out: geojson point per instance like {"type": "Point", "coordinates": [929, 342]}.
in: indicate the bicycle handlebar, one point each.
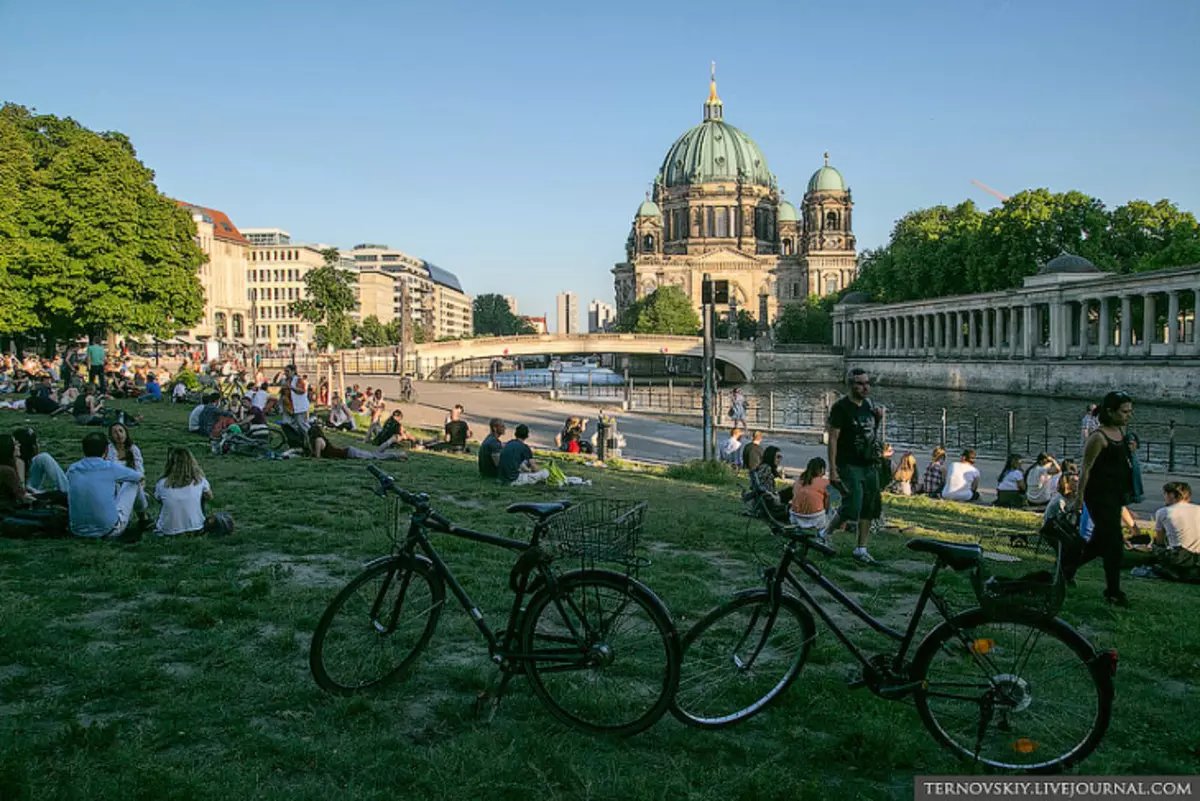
{"type": "Point", "coordinates": [419, 501]}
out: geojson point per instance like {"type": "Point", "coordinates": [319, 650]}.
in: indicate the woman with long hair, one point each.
{"type": "Point", "coordinates": [321, 448]}
{"type": "Point", "coordinates": [183, 491]}
{"type": "Point", "coordinates": [810, 497]}
{"type": "Point", "coordinates": [935, 475]}
{"type": "Point", "coordinates": [762, 480]}
{"type": "Point", "coordinates": [122, 450]}
{"type": "Point", "coordinates": [42, 473]}
{"type": "Point", "coordinates": [1010, 487]}
{"type": "Point", "coordinates": [905, 475]}
{"type": "Point", "coordinates": [1105, 487]}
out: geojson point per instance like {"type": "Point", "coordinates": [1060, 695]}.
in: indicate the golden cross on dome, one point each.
{"type": "Point", "coordinates": [826, 158]}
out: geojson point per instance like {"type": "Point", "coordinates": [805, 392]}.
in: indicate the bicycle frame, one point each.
{"type": "Point", "coordinates": [777, 576]}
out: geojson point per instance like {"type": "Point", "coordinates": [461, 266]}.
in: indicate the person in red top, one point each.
{"type": "Point", "coordinates": [810, 497]}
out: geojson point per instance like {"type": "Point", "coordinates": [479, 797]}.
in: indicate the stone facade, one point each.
{"type": "Point", "coordinates": [276, 281]}
{"type": "Point", "coordinates": [223, 278]}
{"type": "Point", "coordinates": [715, 208]}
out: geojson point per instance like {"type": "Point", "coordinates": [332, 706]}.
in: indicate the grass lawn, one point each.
{"type": "Point", "coordinates": [177, 668]}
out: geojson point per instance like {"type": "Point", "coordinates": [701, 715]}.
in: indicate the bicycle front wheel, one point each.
{"type": "Point", "coordinates": [601, 652]}
{"type": "Point", "coordinates": [276, 441]}
{"type": "Point", "coordinates": [1016, 691]}
{"type": "Point", "coordinates": [740, 657]}
{"type": "Point", "coordinates": [377, 625]}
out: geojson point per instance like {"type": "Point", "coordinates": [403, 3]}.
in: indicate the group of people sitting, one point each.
{"type": "Point", "coordinates": [102, 493]}
{"type": "Point", "coordinates": [509, 462]}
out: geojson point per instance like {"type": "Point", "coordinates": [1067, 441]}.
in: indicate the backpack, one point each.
{"type": "Point", "coordinates": [47, 522]}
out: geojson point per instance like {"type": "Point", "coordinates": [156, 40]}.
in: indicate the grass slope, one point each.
{"type": "Point", "coordinates": [177, 668]}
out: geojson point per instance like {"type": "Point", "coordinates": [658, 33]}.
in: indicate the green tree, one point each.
{"type": "Point", "coordinates": [418, 332]}
{"type": "Point", "coordinates": [666, 310]}
{"type": "Point", "coordinates": [87, 242]}
{"type": "Point", "coordinates": [374, 334]}
{"type": "Point", "coordinates": [807, 322]}
{"type": "Point", "coordinates": [328, 301]}
{"type": "Point", "coordinates": [747, 326]}
{"type": "Point", "coordinates": [494, 317]}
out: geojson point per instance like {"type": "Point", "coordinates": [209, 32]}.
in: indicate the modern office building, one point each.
{"type": "Point", "coordinates": [567, 313]}
{"type": "Point", "coordinates": [601, 317]}
{"type": "Point", "coordinates": [267, 236]}
{"type": "Point", "coordinates": [223, 278]}
{"type": "Point", "coordinates": [435, 297]}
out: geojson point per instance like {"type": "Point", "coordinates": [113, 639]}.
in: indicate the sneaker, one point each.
{"type": "Point", "coordinates": [861, 555]}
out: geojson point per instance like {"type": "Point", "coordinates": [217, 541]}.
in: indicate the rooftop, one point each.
{"type": "Point", "coordinates": [223, 227]}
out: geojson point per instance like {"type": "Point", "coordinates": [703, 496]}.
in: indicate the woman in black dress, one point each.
{"type": "Point", "coordinates": [1105, 487]}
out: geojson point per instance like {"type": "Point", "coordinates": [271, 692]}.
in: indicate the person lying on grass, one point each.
{"type": "Point", "coordinates": [322, 448]}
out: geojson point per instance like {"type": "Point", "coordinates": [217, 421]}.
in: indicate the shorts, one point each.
{"type": "Point", "coordinates": [861, 499]}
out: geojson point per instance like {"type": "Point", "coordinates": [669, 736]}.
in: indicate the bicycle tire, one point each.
{"type": "Point", "coordinates": [276, 441]}
{"type": "Point", "coordinates": [759, 662]}
{"type": "Point", "coordinates": [1011, 743]}
{"type": "Point", "coordinates": [383, 662]}
{"type": "Point", "coordinates": [639, 690]}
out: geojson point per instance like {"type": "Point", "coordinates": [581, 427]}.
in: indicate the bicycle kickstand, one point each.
{"type": "Point", "coordinates": [492, 701]}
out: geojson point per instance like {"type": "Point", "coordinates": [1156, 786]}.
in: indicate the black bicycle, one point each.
{"type": "Point", "coordinates": [1006, 684]}
{"type": "Point", "coordinates": [597, 645]}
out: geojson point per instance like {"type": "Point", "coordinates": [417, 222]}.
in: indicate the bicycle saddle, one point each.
{"type": "Point", "coordinates": [957, 556]}
{"type": "Point", "coordinates": [539, 510]}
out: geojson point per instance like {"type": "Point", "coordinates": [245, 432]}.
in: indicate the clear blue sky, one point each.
{"type": "Point", "coordinates": [511, 142]}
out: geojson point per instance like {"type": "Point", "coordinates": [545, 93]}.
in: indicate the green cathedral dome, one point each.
{"type": "Point", "coordinates": [648, 209]}
{"type": "Point", "coordinates": [715, 151]}
{"type": "Point", "coordinates": [788, 212]}
{"type": "Point", "coordinates": [827, 179]}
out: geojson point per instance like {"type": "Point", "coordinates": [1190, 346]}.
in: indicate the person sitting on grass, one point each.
{"type": "Point", "coordinates": [731, 449]}
{"type": "Point", "coordinates": [810, 497]}
{"type": "Point", "coordinates": [1040, 480]}
{"type": "Point", "coordinates": [905, 475]}
{"type": "Point", "coordinates": [1177, 535]}
{"type": "Point", "coordinates": [183, 490]}
{"type": "Point", "coordinates": [762, 480]}
{"type": "Point", "coordinates": [456, 433]}
{"type": "Point", "coordinates": [1064, 494]}
{"type": "Point", "coordinates": [209, 415]}
{"type": "Point", "coordinates": [490, 449]}
{"type": "Point", "coordinates": [393, 434]}
{"type": "Point", "coordinates": [962, 480]}
{"type": "Point", "coordinates": [516, 458]}
{"type": "Point", "coordinates": [934, 477]}
{"type": "Point", "coordinates": [179, 392]}
{"type": "Point", "coordinates": [13, 494]}
{"type": "Point", "coordinates": [39, 471]}
{"type": "Point", "coordinates": [252, 420]}
{"type": "Point", "coordinates": [1010, 490]}
{"type": "Point", "coordinates": [89, 408]}
{"type": "Point", "coordinates": [43, 399]}
{"type": "Point", "coordinates": [153, 392]}
{"type": "Point", "coordinates": [102, 494]}
{"type": "Point", "coordinates": [340, 416]}
{"type": "Point", "coordinates": [321, 448]}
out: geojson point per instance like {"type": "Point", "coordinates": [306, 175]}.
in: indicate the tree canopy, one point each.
{"type": "Point", "coordinates": [328, 301]}
{"type": "Point", "coordinates": [494, 317]}
{"type": "Point", "coordinates": [747, 326]}
{"type": "Point", "coordinates": [666, 310]}
{"type": "Point", "coordinates": [809, 322]}
{"type": "Point", "coordinates": [87, 242]}
{"type": "Point", "coordinates": [961, 250]}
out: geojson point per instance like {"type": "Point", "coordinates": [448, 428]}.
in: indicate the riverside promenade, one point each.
{"type": "Point", "coordinates": [647, 438]}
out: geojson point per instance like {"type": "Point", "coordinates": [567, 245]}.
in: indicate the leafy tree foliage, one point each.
{"type": "Point", "coordinates": [87, 242]}
{"type": "Point", "coordinates": [418, 332]}
{"type": "Point", "coordinates": [961, 250]}
{"type": "Point", "coordinates": [328, 301]}
{"type": "Point", "coordinates": [747, 326]}
{"type": "Point", "coordinates": [666, 310]}
{"type": "Point", "coordinates": [809, 322]}
{"type": "Point", "coordinates": [494, 317]}
{"type": "Point", "coordinates": [374, 334]}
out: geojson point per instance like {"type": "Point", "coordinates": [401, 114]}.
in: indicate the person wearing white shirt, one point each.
{"type": "Point", "coordinates": [962, 479]}
{"type": "Point", "coordinates": [183, 491]}
{"type": "Point", "coordinates": [101, 494]}
{"type": "Point", "coordinates": [194, 419]}
{"type": "Point", "coordinates": [1040, 480]}
{"type": "Point", "coordinates": [297, 391]}
{"type": "Point", "coordinates": [1177, 525]}
{"type": "Point", "coordinates": [179, 392]}
{"type": "Point", "coordinates": [731, 449]}
{"type": "Point", "coordinates": [259, 397]}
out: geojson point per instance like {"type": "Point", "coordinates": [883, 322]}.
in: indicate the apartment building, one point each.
{"type": "Point", "coordinates": [275, 281]}
{"type": "Point", "coordinates": [601, 317]}
{"type": "Point", "coordinates": [567, 313]}
{"type": "Point", "coordinates": [223, 277]}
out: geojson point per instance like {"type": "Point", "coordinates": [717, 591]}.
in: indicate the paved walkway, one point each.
{"type": "Point", "coordinates": [647, 438]}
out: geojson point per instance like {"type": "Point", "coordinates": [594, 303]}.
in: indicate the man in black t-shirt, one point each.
{"type": "Point", "coordinates": [516, 457]}
{"type": "Point", "coordinates": [854, 447]}
{"type": "Point", "coordinates": [490, 448]}
{"type": "Point", "coordinates": [457, 432]}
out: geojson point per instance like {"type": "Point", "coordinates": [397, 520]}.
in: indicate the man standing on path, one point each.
{"type": "Point", "coordinates": [854, 449]}
{"type": "Point", "coordinates": [95, 357]}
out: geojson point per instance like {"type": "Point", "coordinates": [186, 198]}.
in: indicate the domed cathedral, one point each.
{"type": "Point", "coordinates": [716, 208]}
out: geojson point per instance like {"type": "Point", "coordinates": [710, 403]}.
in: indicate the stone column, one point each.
{"type": "Point", "coordinates": [1104, 339]}
{"type": "Point", "coordinates": [1083, 326]}
{"type": "Point", "coordinates": [1027, 340]}
{"type": "Point", "coordinates": [998, 330]}
{"type": "Point", "coordinates": [1149, 322]}
{"type": "Point", "coordinates": [887, 335]}
{"type": "Point", "coordinates": [1014, 342]}
{"type": "Point", "coordinates": [1172, 322]}
{"type": "Point", "coordinates": [1196, 318]}
{"type": "Point", "coordinates": [911, 324]}
{"type": "Point", "coordinates": [972, 314]}
{"type": "Point", "coordinates": [1126, 331]}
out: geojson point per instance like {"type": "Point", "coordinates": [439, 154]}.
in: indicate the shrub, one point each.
{"type": "Point", "coordinates": [189, 380]}
{"type": "Point", "coordinates": [717, 474]}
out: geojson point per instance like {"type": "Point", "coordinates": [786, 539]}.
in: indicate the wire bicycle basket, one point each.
{"type": "Point", "coordinates": [1021, 572]}
{"type": "Point", "coordinates": [597, 531]}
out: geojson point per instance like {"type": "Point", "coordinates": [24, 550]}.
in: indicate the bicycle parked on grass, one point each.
{"type": "Point", "coordinates": [597, 645]}
{"type": "Point", "coordinates": [1006, 684]}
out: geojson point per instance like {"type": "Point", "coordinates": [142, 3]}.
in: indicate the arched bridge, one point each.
{"type": "Point", "coordinates": [735, 360]}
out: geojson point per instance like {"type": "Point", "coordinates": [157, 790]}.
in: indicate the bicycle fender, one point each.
{"type": "Point", "coordinates": [654, 598]}
{"type": "Point", "coordinates": [416, 557]}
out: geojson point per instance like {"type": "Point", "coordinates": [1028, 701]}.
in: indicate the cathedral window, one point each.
{"type": "Point", "coordinates": [795, 289]}
{"type": "Point", "coordinates": [831, 220]}
{"type": "Point", "coordinates": [648, 243]}
{"type": "Point", "coordinates": [787, 247]}
{"type": "Point", "coordinates": [722, 222]}
{"type": "Point", "coordinates": [831, 286]}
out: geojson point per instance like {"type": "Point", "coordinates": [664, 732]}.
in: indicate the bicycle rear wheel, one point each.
{"type": "Point", "coordinates": [276, 441]}
{"type": "Point", "coordinates": [740, 657]}
{"type": "Point", "coordinates": [377, 625]}
{"type": "Point", "coordinates": [1016, 691]}
{"type": "Point", "coordinates": [601, 652]}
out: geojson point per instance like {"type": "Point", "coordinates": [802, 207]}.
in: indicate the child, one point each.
{"type": "Point", "coordinates": [183, 490]}
{"type": "Point", "coordinates": [810, 497]}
